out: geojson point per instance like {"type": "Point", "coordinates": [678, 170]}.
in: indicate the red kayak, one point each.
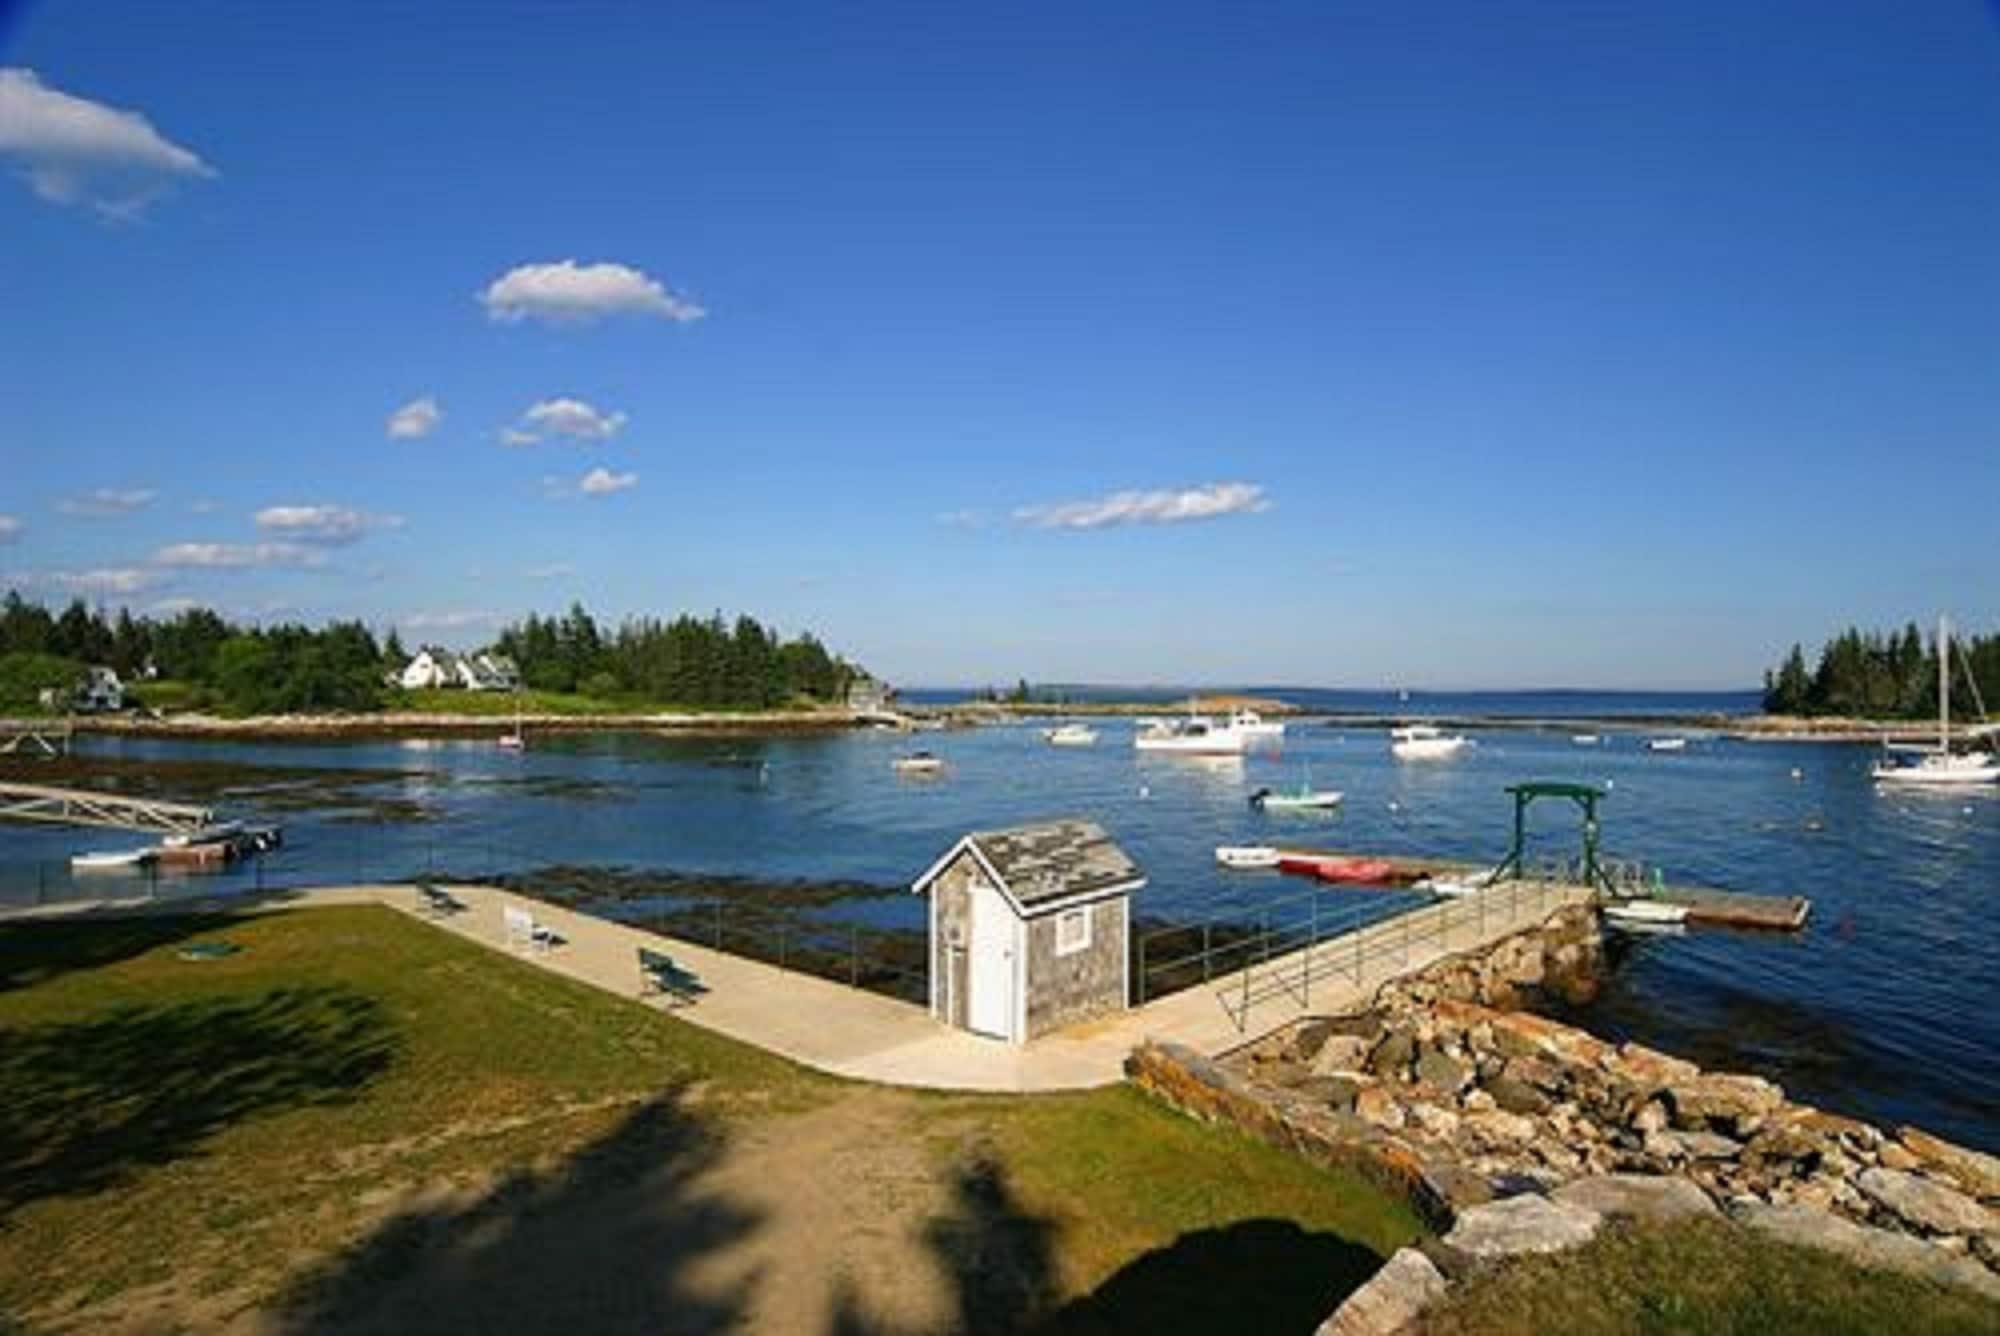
{"type": "Point", "coordinates": [1352, 871]}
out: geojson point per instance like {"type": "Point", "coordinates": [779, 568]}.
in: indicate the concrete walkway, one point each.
{"type": "Point", "coordinates": [868, 1037]}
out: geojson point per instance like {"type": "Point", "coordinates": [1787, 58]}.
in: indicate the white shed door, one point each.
{"type": "Point", "coordinates": [990, 977]}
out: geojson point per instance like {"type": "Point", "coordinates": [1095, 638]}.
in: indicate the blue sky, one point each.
{"type": "Point", "coordinates": [1343, 344]}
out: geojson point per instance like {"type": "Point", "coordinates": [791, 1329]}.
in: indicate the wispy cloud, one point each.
{"type": "Point", "coordinates": [71, 150]}
{"type": "Point", "coordinates": [105, 580]}
{"type": "Point", "coordinates": [332, 525]}
{"type": "Point", "coordinates": [11, 529]}
{"type": "Point", "coordinates": [450, 619]}
{"type": "Point", "coordinates": [603, 482]}
{"type": "Point", "coordinates": [572, 419]}
{"type": "Point", "coordinates": [103, 502]}
{"type": "Point", "coordinates": [567, 293]}
{"type": "Point", "coordinates": [1166, 506]}
{"type": "Point", "coordinates": [415, 419]}
{"type": "Point", "coordinates": [238, 556]}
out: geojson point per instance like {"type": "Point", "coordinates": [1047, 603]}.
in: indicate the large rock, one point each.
{"type": "Point", "coordinates": [1391, 1300]}
{"type": "Point", "coordinates": [1705, 1145]}
{"type": "Point", "coordinates": [1929, 1206]}
{"type": "Point", "coordinates": [1652, 1198]}
{"type": "Point", "coordinates": [1335, 1092]}
{"type": "Point", "coordinates": [1814, 1227]}
{"type": "Point", "coordinates": [1516, 1096]}
{"type": "Point", "coordinates": [1440, 1071]}
{"type": "Point", "coordinates": [1524, 1224]}
{"type": "Point", "coordinates": [1739, 1104]}
{"type": "Point", "coordinates": [1395, 1052]}
{"type": "Point", "coordinates": [1651, 1068]}
{"type": "Point", "coordinates": [1977, 1173]}
{"type": "Point", "coordinates": [1340, 1053]}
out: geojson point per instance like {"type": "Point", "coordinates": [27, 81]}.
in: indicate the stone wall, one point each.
{"type": "Point", "coordinates": [1562, 957]}
{"type": "Point", "coordinates": [1063, 990]}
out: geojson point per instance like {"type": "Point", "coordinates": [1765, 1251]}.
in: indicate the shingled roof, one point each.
{"type": "Point", "coordinates": [1050, 861]}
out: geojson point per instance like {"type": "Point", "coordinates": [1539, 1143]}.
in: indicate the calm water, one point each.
{"type": "Point", "coordinates": [1884, 1007]}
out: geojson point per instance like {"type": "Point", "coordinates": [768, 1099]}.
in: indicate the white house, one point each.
{"type": "Point", "coordinates": [487, 671]}
{"type": "Point", "coordinates": [432, 667]}
{"type": "Point", "coordinates": [100, 691]}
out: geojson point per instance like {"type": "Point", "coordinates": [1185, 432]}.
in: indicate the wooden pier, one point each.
{"type": "Point", "coordinates": [1705, 904]}
{"type": "Point", "coordinates": [92, 807]}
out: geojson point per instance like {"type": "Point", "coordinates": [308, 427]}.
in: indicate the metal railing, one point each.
{"type": "Point", "coordinates": [1290, 964]}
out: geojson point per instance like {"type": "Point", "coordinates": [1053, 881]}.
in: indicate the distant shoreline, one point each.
{"type": "Point", "coordinates": [403, 723]}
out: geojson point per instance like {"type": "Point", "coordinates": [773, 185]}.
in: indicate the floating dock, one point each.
{"type": "Point", "coordinates": [1705, 904]}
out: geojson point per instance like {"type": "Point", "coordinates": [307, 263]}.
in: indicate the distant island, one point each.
{"type": "Point", "coordinates": [568, 666]}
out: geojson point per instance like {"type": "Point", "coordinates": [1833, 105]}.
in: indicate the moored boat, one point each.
{"type": "Point", "coordinates": [1666, 744]}
{"type": "Point", "coordinates": [1246, 855]}
{"type": "Point", "coordinates": [221, 832]}
{"type": "Point", "coordinates": [1940, 765]}
{"type": "Point", "coordinates": [1255, 728]}
{"type": "Point", "coordinates": [1450, 888]}
{"type": "Point", "coordinates": [1584, 739]}
{"type": "Point", "coordinates": [1422, 742]}
{"type": "Point", "coordinates": [918, 763]}
{"type": "Point", "coordinates": [1194, 736]}
{"type": "Point", "coordinates": [112, 860]}
{"type": "Point", "coordinates": [1071, 735]}
{"type": "Point", "coordinates": [1651, 913]}
{"type": "Point", "coordinates": [1351, 871]}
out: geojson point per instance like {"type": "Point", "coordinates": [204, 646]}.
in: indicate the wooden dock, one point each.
{"type": "Point", "coordinates": [1705, 904]}
{"type": "Point", "coordinates": [93, 807]}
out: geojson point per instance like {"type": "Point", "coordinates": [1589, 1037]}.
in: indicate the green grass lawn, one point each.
{"type": "Point", "coordinates": [183, 1134]}
{"type": "Point", "coordinates": [1709, 1277]}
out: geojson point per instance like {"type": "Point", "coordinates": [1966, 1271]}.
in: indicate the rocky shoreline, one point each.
{"type": "Point", "coordinates": [1514, 1133]}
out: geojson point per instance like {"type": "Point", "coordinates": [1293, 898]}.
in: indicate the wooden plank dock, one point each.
{"type": "Point", "coordinates": [94, 807]}
{"type": "Point", "coordinates": [1708, 905]}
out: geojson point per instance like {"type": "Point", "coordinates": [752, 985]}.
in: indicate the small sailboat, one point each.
{"type": "Point", "coordinates": [1246, 855]}
{"type": "Point", "coordinates": [515, 741]}
{"type": "Point", "coordinates": [1940, 764]}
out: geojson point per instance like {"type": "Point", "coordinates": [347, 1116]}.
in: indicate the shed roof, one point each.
{"type": "Point", "coordinates": [1039, 865]}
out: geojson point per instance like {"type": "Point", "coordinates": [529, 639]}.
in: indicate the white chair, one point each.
{"type": "Point", "coordinates": [523, 931]}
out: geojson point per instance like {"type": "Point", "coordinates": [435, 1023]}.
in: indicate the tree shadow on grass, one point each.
{"type": "Point", "coordinates": [605, 1241]}
{"type": "Point", "coordinates": [37, 950]}
{"type": "Point", "coordinates": [84, 1105]}
{"type": "Point", "coordinates": [1253, 1275]}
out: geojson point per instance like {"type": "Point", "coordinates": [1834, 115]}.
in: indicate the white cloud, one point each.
{"type": "Point", "coordinates": [603, 482]}
{"type": "Point", "coordinates": [567, 293]}
{"type": "Point", "coordinates": [415, 419]}
{"type": "Point", "coordinates": [107, 580]}
{"type": "Point", "coordinates": [572, 418]}
{"type": "Point", "coordinates": [72, 150]}
{"type": "Point", "coordinates": [238, 556]}
{"type": "Point", "coordinates": [451, 619]}
{"type": "Point", "coordinates": [106, 501]}
{"type": "Point", "coordinates": [10, 529]}
{"type": "Point", "coordinates": [1166, 506]}
{"type": "Point", "coordinates": [322, 524]}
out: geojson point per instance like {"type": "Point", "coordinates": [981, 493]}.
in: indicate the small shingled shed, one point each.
{"type": "Point", "coordinates": [1028, 928]}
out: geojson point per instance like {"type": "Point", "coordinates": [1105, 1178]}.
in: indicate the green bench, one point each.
{"type": "Point", "coordinates": [659, 974]}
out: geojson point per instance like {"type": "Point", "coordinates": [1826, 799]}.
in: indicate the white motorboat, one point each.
{"type": "Point", "coordinates": [219, 833]}
{"type": "Point", "coordinates": [1255, 728]}
{"type": "Point", "coordinates": [117, 860]}
{"type": "Point", "coordinates": [1304, 798]}
{"type": "Point", "coordinates": [1422, 742]}
{"type": "Point", "coordinates": [1666, 744]}
{"type": "Point", "coordinates": [1194, 736]}
{"type": "Point", "coordinates": [1649, 913]}
{"type": "Point", "coordinates": [1450, 888]}
{"type": "Point", "coordinates": [1246, 855]}
{"type": "Point", "coordinates": [918, 763]}
{"type": "Point", "coordinates": [1584, 739]}
{"type": "Point", "coordinates": [1071, 735]}
{"type": "Point", "coordinates": [1940, 765]}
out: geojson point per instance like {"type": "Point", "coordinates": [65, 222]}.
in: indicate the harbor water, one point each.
{"type": "Point", "coordinates": [1882, 1007]}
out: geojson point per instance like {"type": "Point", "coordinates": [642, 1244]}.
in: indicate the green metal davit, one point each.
{"type": "Point", "coordinates": [1585, 797]}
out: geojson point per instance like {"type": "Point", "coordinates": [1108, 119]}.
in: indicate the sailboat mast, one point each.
{"type": "Point", "coordinates": [1944, 685]}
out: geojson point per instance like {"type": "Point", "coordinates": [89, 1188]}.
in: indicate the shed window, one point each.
{"type": "Point", "coordinates": [1072, 931]}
